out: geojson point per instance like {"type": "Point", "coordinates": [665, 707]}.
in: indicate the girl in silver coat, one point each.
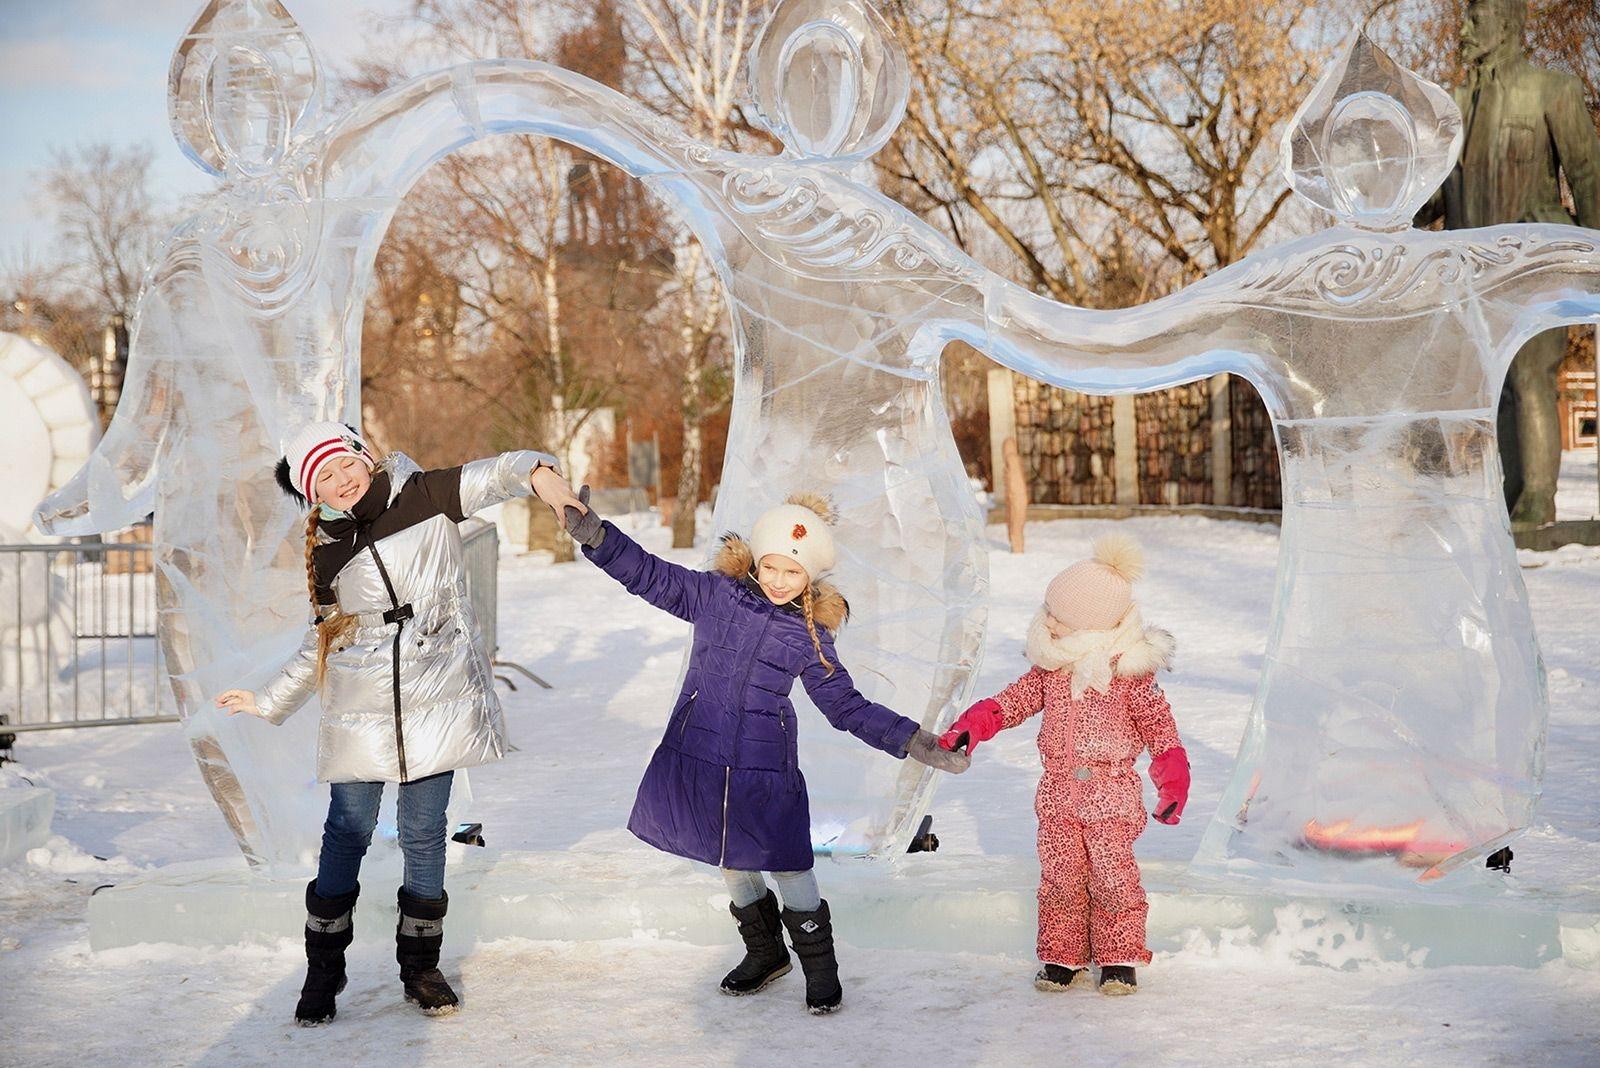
{"type": "Point", "coordinates": [406, 689]}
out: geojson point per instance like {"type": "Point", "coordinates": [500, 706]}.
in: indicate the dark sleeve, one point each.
{"type": "Point", "coordinates": [327, 560]}
{"type": "Point", "coordinates": [837, 698]}
{"type": "Point", "coordinates": [439, 492]}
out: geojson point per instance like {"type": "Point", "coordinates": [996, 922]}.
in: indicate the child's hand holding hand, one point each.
{"type": "Point", "coordinates": [553, 490]}
{"type": "Point", "coordinates": [924, 749]}
{"type": "Point", "coordinates": [584, 526]}
{"type": "Point", "coordinates": [980, 723]}
{"type": "Point", "coordinates": [236, 701]}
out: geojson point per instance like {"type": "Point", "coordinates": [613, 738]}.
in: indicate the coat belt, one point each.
{"type": "Point", "coordinates": [1085, 770]}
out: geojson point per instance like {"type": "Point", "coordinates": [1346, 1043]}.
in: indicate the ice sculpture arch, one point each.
{"type": "Point", "coordinates": [841, 302]}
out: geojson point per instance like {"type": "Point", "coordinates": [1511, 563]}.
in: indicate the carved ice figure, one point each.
{"type": "Point", "coordinates": [1398, 728]}
{"type": "Point", "coordinates": [1402, 682]}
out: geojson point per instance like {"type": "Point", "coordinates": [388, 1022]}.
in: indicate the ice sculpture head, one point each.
{"type": "Point", "coordinates": [828, 78]}
{"type": "Point", "coordinates": [1372, 141]}
{"type": "Point", "coordinates": [243, 80]}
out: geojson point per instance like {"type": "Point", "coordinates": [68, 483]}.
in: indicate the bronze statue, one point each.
{"type": "Point", "coordinates": [1523, 127]}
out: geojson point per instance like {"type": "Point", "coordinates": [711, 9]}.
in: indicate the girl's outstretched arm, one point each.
{"type": "Point", "coordinates": [293, 686]}
{"type": "Point", "coordinates": [458, 492]}
{"type": "Point", "coordinates": [670, 587]}
{"type": "Point", "coordinates": [836, 697]}
{"type": "Point", "coordinates": [990, 716]}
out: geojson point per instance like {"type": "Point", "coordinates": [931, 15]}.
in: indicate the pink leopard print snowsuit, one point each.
{"type": "Point", "coordinates": [1090, 802]}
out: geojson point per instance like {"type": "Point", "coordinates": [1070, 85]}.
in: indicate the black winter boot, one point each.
{"type": "Point", "coordinates": [417, 940]}
{"type": "Point", "coordinates": [328, 933]}
{"type": "Point", "coordinates": [765, 956]}
{"type": "Point", "coordinates": [1118, 979]}
{"type": "Point", "coordinates": [1057, 977]}
{"type": "Point", "coordinates": [812, 935]}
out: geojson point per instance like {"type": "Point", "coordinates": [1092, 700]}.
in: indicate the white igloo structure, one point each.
{"type": "Point", "coordinates": [50, 429]}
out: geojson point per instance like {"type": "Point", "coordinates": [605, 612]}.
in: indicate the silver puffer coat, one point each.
{"type": "Point", "coordinates": [438, 710]}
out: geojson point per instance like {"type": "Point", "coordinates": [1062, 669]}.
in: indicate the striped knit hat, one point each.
{"type": "Point", "coordinates": [310, 448]}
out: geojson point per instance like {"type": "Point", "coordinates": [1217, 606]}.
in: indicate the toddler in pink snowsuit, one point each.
{"type": "Point", "coordinates": [1093, 676]}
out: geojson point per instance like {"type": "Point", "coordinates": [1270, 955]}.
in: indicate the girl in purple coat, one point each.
{"type": "Point", "coordinates": [724, 786]}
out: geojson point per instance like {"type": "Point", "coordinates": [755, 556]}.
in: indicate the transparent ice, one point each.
{"type": "Point", "coordinates": [25, 813]}
{"type": "Point", "coordinates": [1398, 728]}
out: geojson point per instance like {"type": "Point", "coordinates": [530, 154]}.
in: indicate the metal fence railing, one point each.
{"type": "Point", "coordinates": [78, 630]}
{"type": "Point", "coordinates": [77, 636]}
{"type": "Point", "coordinates": [480, 543]}
{"type": "Point", "coordinates": [480, 540]}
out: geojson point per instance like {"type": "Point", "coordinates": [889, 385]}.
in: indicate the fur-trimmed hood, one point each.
{"type": "Point", "coordinates": [736, 560]}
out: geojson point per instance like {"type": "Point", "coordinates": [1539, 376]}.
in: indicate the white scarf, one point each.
{"type": "Point", "coordinates": [1087, 654]}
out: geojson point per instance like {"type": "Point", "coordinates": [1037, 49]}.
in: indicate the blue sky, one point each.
{"type": "Point", "coordinates": [76, 71]}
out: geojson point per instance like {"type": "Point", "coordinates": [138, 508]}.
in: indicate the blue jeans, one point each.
{"type": "Point", "coordinates": [352, 815]}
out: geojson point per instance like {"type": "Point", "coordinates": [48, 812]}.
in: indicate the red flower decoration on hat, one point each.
{"type": "Point", "coordinates": [798, 532]}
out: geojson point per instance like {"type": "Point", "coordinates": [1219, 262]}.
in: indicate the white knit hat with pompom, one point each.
{"type": "Point", "coordinates": [798, 530]}
{"type": "Point", "coordinates": [1096, 594]}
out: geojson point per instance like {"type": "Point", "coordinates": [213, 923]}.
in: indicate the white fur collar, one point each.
{"type": "Point", "coordinates": [1092, 657]}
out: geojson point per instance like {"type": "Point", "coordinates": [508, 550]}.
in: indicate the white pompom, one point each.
{"type": "Point", "coordinates": [1121, 554]}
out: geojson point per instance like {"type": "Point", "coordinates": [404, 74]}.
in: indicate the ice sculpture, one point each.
{"type": "Point", "coordinates": [1402, 691]}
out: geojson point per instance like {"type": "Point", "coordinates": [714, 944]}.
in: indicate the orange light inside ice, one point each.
{"type": "Point", "coordinates": [1345, 837]}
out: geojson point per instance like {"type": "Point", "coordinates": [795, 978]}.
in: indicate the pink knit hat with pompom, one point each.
{"type": "Point", "coordinates": [1096, 594]}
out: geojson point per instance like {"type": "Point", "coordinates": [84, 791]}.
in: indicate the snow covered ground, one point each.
{"type": "Point", "coordinates": [1577, 494]}
{"type": "Point", "coordinates": [131, 794]}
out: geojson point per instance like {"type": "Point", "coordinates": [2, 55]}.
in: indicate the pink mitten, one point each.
{"type": "Point", "coordinates": [1170, 773]}
{"type": "Point", "coordinates": [979, 723]}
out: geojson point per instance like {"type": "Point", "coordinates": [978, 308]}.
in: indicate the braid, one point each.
{"type": "Point", "coordinates": [311, 545]}
{"type": "Point", "coordinates": [332, 625]}
{"type": "Point", "coordinates": [811, 626]}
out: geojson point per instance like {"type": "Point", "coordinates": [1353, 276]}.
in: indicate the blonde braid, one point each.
{"type": "Point", "coordinates": [311, 545]}
{"type": "Point", "coordinates": [333, 626]}
{"type": "Point", "coordinates": [811, 626]}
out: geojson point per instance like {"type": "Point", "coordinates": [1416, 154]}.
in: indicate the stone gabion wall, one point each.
{"type": "Point", "coordinates": [1066, 443]}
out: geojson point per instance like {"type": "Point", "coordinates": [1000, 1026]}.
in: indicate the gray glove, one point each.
{"type": "Point", "coordinates": [584, 527]}
{"type": "Point", "coordinates": [924, 749]}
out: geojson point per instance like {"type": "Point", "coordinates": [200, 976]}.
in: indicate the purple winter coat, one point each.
{"type": "Point", "coordinates": [724, 785]}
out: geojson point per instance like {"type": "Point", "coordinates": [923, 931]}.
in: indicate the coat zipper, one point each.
{"type": "Point", "coordinates": [784, 727]}
{"type": "Point", "coordinates": [727, 779]}
{"type": "Point", "coordinates": [399, 627]}
{"type": "Point", "coordinates": [683, 726]}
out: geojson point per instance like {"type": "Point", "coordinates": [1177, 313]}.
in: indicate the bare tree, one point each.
{"type": "Point", "coordinates": [66, 319]}
{"type": "Point", "coordinates": [104, 217]}
{"type": "Point", "coordinates": [1064, 132]}
{"type": "Point", "coordinates": [516, 270]}
{"type": "Point", "coordinates": [694, 55]}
